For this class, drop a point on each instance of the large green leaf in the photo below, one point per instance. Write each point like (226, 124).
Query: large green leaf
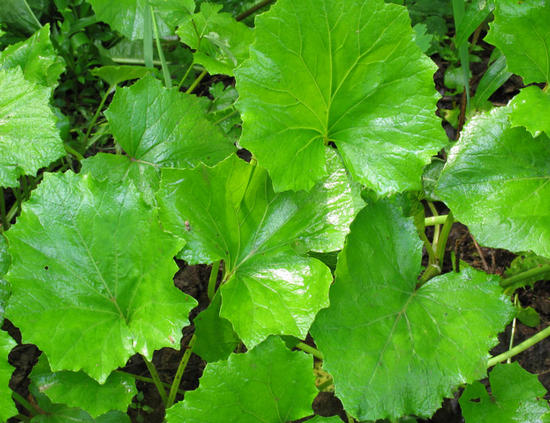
(268, 384)
(164, 127)
(496, 181)
(395, 349)
(230, 212)
(7, 407)
(36, 57)
(220, 42)
(76, 389)
(531, 108)
(92, 275)
(521, 31)
(344, 72)
(29, 139)
(20, 15)
(516, 396)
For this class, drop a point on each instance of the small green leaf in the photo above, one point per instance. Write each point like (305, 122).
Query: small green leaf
(7, 407)
(76, 389)
(92, 275)
(496, 181)
(408, 347)
(525, 262)
(230, 213)
(520, 30)
(114, 75)
(220, 42)
(528, 316)
(267, 384)
(516, 396)
(344, 72)
(216, 338)
(29, 139)
(36, 57)
(164, 127)
(531, 108)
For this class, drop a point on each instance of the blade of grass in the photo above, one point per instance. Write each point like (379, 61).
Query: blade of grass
(165, 70)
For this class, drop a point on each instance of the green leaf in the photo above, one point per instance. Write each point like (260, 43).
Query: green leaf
(531, 108)
(516, 396)
(520, 30)
(29, 139)
(76, 389)
(5, 259)
(92, 275)
(476, 12)
(7, 407)
(173, 12)
(496, 182)
(408, 347)
(119, 169)
(528, 316)
(319, 419)
(492, 80)
(525, 262)
(164, 127)
(347, 72)
(230, 213)
(127, 16)
(216, 338)
(19, 14)
(36, 57)
(114, 75)
(268, 384)
(220, 42)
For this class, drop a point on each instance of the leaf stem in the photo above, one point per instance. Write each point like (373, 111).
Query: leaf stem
(179, 373)
(528, 343)
(253, 9)
(510, 284)
(213, 279)
(227, 116)
(164, 65)
(156, 379)
(32, 14)
(310, 350)
(26, 404)
(196, 82)
(185, 75)
(442, 242)
(147, 380)
(513, 332)
(96, 115)
(435, 220)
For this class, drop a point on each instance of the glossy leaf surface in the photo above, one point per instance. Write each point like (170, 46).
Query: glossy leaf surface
(516, 396)
(496, 181)
(91, 261)
(416, 344)
(531, 109)
(29, 139)
(36, 57)
(7, 407)
(347, 72)
(164, 127)
(220, 42)
(230, 212)
(268, 384)
(76, 389)
(521, 31)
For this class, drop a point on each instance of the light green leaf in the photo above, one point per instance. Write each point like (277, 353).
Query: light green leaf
(216, 338)
(126, 16)
(496, 181)
(76, 389)
(114, 75)
(268, 384)
(91, 275)
(36, 57)
(408, 347)
(164, 127)
(119, 169)
(531, 109)
(521, 31)
(221, 43)
(230, 213)
(29, 139)
(7, 407)
(347, 72)
(516, 396)
(173, 12)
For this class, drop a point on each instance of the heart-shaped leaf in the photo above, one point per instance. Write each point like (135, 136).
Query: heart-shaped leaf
(92, 275)
(344, 72)
(408, 347)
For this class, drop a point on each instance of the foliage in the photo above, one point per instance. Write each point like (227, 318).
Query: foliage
(123, 128)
